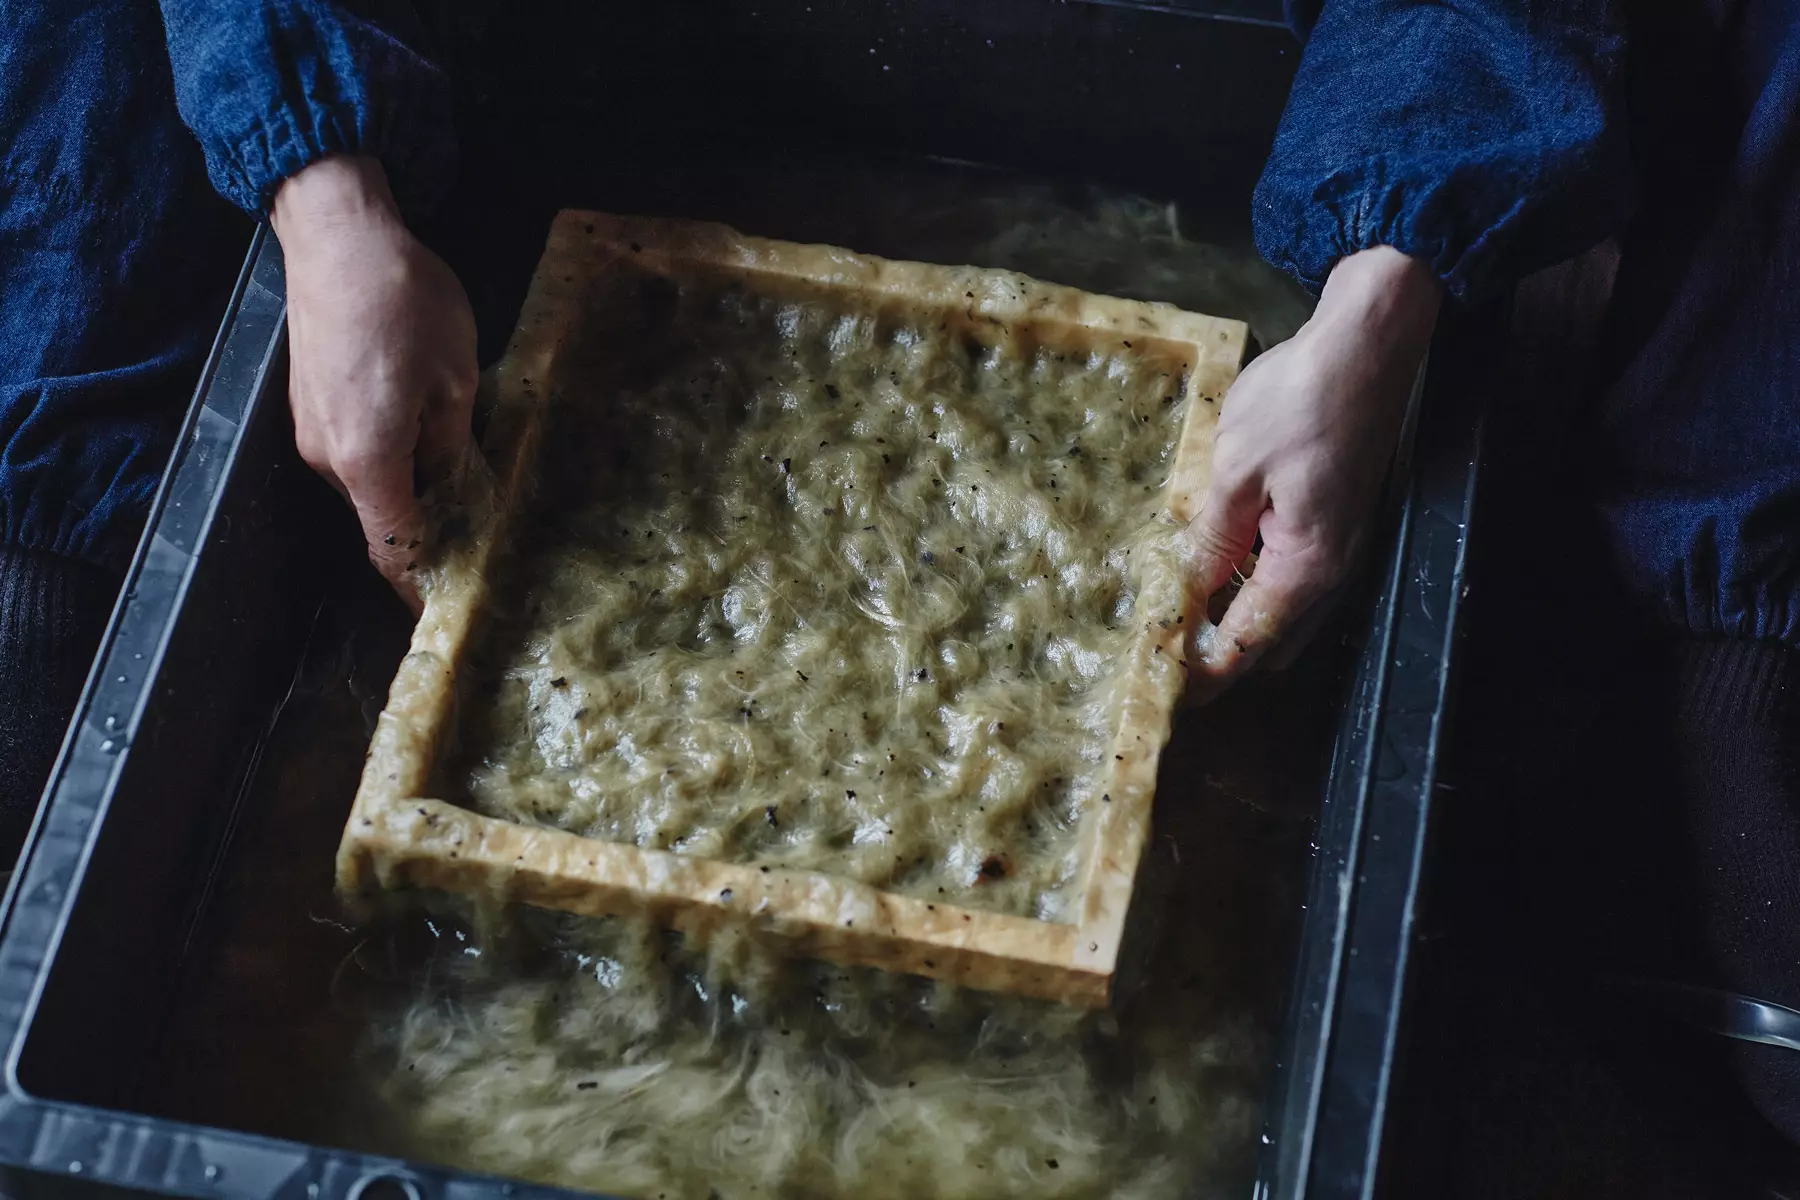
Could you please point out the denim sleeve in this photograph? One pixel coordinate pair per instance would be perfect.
(271, 86)
(1485, 137)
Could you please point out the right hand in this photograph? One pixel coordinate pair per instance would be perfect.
(1304, 440)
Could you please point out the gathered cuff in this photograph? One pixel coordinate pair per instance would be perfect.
(1485, 141)
(270, 98)
(1472, 220)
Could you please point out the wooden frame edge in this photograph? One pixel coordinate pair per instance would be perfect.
(1119, 833)
(393, 838)
(407, 842)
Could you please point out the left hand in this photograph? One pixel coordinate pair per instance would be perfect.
(381, 349)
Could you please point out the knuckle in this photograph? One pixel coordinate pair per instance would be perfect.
(1227, 453)
(1251, 376)
(464, 382)
(1206, 540)
(313, 455)
(1239, 472)
(362, 463)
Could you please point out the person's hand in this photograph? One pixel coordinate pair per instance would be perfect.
(1304, 440)
(381, 349)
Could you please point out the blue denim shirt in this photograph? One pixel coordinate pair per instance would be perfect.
(117, 253)
(1492, 137)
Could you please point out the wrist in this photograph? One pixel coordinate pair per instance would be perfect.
(331, 194)
(1384, 294)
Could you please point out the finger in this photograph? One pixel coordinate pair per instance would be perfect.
(312, 451)
(330, 477)
(1218, 540)
(444, 426)
(1279, 594)
(382, 492)
(1296, 640)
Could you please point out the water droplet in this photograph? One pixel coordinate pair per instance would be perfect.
(112, 722)
(75, 1167)
(123, 679)
(107, 746)
(312, 1189)
(212, 1172)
